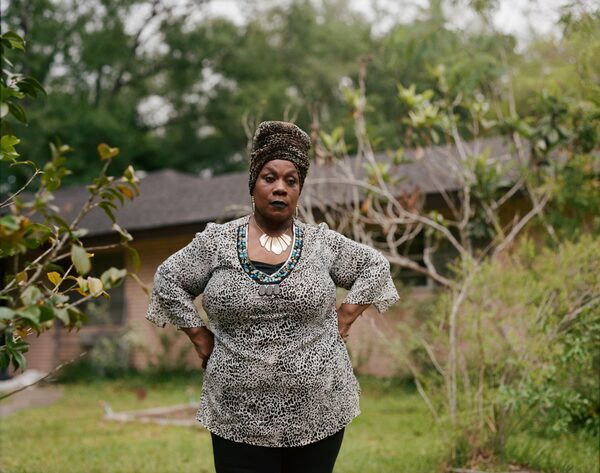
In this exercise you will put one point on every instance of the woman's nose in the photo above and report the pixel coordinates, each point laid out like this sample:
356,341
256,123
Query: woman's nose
280,187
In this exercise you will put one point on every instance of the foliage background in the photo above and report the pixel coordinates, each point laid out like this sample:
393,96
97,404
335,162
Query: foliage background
173,86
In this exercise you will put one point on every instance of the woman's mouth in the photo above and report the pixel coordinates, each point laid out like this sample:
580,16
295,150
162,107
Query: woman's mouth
279,204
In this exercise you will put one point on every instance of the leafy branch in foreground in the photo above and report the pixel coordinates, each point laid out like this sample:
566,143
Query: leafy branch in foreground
37,290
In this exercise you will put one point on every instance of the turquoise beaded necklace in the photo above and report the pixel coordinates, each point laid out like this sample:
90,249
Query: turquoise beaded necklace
269,282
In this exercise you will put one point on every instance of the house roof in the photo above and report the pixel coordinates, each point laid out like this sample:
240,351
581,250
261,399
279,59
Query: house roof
171,198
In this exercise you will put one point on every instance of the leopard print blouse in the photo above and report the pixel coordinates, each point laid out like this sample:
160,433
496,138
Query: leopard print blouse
279,374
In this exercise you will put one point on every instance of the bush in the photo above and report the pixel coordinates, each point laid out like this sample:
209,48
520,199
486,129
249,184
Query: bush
526,352
558,384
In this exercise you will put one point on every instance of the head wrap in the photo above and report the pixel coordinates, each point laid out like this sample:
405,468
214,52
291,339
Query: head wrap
278,140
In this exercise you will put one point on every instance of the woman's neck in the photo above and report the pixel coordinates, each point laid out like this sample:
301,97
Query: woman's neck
270,226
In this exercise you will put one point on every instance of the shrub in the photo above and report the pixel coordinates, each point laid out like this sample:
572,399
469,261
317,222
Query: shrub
526,352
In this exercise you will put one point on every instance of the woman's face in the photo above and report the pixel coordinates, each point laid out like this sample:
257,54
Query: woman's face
277,190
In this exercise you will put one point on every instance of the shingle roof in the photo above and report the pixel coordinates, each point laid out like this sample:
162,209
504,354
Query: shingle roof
170,198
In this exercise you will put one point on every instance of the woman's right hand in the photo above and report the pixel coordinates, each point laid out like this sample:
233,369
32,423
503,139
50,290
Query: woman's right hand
203,340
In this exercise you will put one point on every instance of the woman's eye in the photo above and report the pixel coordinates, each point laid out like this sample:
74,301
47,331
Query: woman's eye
269,178
291,182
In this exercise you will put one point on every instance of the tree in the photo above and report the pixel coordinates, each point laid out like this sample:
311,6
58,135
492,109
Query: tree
183,90
97,73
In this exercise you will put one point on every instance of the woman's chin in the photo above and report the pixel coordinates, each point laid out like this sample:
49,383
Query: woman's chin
277,214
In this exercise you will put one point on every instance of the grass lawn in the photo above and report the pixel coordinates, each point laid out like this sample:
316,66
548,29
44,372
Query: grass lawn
394,434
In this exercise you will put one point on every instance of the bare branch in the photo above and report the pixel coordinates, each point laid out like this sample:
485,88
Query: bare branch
54,371
90,248
410,264
408,217
536,210
10,200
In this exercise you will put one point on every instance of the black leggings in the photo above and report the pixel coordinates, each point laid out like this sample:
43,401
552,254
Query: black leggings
235,457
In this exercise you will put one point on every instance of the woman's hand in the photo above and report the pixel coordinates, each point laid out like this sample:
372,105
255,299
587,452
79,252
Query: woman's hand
346,315
204,342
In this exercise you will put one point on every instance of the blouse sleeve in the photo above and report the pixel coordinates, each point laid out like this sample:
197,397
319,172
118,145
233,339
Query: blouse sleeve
363,271
179,280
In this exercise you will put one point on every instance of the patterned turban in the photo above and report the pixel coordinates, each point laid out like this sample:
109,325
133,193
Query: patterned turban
278,140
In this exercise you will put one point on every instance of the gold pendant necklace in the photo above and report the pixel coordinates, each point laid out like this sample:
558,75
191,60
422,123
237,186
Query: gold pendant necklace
274,244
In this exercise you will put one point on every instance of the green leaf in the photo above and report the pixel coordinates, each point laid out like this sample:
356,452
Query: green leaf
129,174
6,313
58,298
46,313
14,40
62,315
30,86
105,206
32,314
9,140
31,295
78,317
83,285
62,224
18,112
111,193
21,346
135,258
80,232
10,223
399,157
4,359
8,92
80,259
112,276
3,109
19,361
124,233
106,152
110,204
95,285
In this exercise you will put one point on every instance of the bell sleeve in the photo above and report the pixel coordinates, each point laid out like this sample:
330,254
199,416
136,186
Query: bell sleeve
179,280
363,271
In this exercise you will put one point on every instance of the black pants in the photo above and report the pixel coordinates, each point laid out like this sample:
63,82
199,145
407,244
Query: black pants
235,457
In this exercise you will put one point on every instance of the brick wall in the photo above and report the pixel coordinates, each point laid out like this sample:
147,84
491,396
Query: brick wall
154,251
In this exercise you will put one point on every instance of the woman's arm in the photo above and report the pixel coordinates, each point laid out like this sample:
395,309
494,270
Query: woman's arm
364,272
181,278
347,314
203,340
361,270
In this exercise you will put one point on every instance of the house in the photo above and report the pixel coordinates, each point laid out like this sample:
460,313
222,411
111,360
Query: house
171,208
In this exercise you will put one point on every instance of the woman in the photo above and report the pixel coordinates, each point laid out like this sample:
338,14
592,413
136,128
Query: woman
278,388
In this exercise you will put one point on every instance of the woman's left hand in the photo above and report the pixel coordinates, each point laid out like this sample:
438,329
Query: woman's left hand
203,340
346,315
344,325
